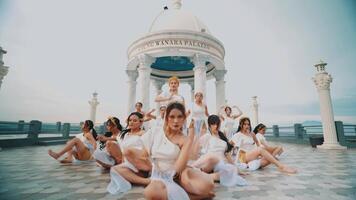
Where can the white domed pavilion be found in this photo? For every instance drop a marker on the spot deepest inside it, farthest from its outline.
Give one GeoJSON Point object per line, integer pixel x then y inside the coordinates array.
{"type": "Point", "coordinates": [177, 44]}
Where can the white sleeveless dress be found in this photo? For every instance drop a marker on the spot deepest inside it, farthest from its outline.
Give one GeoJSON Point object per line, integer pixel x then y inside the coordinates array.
{"type": "Point", "coordinates": [229, 127]}
{"type": "Point", "coordinates": [164, 154]}
{"type": "Point", "coordinates": [246, 144]}
{"type": "Point", "coordinates": [228, 172]}
{"type": "Point", "coordinates": [198, 114]}
{"type": "Point", "coordinates": [175, 98]}
{"type": "Point", "coordinates": [119, 184]}
{"type": "Point", "coordinates": [85, 141]}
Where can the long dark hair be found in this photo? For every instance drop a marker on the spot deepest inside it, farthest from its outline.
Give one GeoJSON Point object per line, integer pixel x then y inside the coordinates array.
{"type": "Point", "coordinates": [90, 125]}
{"type": "Point", "coordinates": [214, 119]}
{"type": "Point", "coordinates": [124, 132]}
{"type": "Point", "coordinates": [258, 128]}
{"type": "Point", "coordinates": [242, 121]}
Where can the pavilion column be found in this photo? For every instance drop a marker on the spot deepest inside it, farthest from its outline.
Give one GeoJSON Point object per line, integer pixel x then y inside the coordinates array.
{"type": "Point", "coordinates": [93, 104]}
{"type": "Point", "coordinates": [220, 88]}
{"type": "Point", "coordinates": [158, 88]}
{"type": "Point", "coordinates": [132, 74]}
{"type": "Point", "coordinates": [254, 111]}
{"type": "Point", "coordinates": [144, 73]}
{"type": "Point", "coordinates": [3, 69]}
{"type": "Point", "coordinates": [200, 74]}
{"type": "Point", "coordinates": [191, 83]}
{"type": "Point", "coordinates": [322, 82]}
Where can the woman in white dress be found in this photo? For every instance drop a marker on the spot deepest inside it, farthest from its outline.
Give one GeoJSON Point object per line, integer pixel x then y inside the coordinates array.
{"type": "Point", "coordinates": [212, 145]}
{"type": "Point", "coordinates": [229, 119]}
{"type": "Point", "coordinates": [81, 147]}
{"type": "Point", "coordinates": [250, 152]}
{"type": "Point", "coordinates": [109, 153]}
{"type": "Point", "coordinates": [260, 131]}
{"type": "Point", "coordinates": [135, 163]}
{"type": "Point", "coordinates": [158, 120]}
{"type": "Point", "coordinates": [172, 95]}
{"type": "Point", "coordinates": [199, 112]}
{"type": "Point", "coordinates": [169, 151]}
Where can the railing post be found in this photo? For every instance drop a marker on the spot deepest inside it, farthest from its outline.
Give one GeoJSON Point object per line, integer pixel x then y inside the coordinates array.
{"type": "Point", "coordinates": [21, 125]}
{"type": "Point", "coordinates": [298, 131]}
{"type": "Point", "coordinates": [35, 129]}
{"type": "Point", "coordinates": [104, 128]}
{"type": "Point", "coordinates": [275, 130]}
{"type": "Point", "coordinates": [58, 126]}
{"type": "Point", "coordinates": [340, 133]}
{"type": "Point", "coordinates": [66, 130]}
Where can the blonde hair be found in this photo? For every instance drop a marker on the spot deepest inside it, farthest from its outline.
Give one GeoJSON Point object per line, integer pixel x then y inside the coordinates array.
{"type": "Point", "coordinates": [197, 93]}
{"type": "Point", "coordinates": [173, 78]}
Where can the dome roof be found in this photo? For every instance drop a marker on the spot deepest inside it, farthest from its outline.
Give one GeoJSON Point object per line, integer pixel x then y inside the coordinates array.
{"type": "Point", "coordinates": [177, 19]}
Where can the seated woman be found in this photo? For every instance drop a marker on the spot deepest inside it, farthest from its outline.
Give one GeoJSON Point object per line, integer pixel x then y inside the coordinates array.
{"type": "Point", "coordinates": [214, 145]}
{"type": "Point", "coordinates": [260, 131]}
{"type": "Point", "coordinates": [169, 151]}
{"type": "Point", "coordinates": [109, 153]}
{"type": "Point", "coordinates": [251, 153]}
{"type": "Point", "coordinates": [135, 164]}
{"type": "Point", "coordinates": [81, 147]}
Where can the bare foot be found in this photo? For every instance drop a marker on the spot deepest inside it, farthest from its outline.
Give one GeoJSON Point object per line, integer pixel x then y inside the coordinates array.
{"type": "Point", "coordinates": [53, 154]}
{"type": "Point", "coordinates": [288, 170]}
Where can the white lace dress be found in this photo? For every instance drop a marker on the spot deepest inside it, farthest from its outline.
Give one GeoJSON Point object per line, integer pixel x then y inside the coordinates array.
{"type": "Point", "coordinates": [228, 172]}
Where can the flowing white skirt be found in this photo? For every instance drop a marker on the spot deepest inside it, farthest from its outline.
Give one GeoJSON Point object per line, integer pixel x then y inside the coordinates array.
{"type": "Point", "coordinates": [174, 191]}
{"type": "Point", "coordinates": [104, 157]}
{"type": "Point", "coordinates": [119, 184]}
{"type": "Point", "coordinates": [229, 175]}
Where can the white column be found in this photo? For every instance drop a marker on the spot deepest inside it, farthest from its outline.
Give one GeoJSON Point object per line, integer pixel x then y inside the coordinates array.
{"type": "Point", "coordinates": [132, 74]}
{"type": "Point", "coordinates": [322, 82]}
{"type": "Point", "coordinates": [93, 104]}
{"type": "Point", "coordinates": [254, 111]}
{"type": "Point", "coordinates": [158, 87]}
{"type": "Point", "coordinates": [220, 88]}
{"type": "Point", "coordinates": [200, 73]}
{"type": "Point", "coordinates": [192, 93]}
{"type": "Point", "coordinates": [144, 73]}
{"type": "Point", "coordinates": [3, 69]}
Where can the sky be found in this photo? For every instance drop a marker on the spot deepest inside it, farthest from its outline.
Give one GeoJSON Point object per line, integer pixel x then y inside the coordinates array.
{"type": "Point", "coordinates": [61, 51]}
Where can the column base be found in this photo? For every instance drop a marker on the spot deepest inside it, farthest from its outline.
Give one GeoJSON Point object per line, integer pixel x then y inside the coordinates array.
{"type": "Point", "coordinates": [331, 146]}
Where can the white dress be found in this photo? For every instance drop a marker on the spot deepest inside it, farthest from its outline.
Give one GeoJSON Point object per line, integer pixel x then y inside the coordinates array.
{"type": "Point", "coordinates": [164, 154]}
{"type": "Point", "coordinates": [175, 98]}
{"type": "Point", "coordinates": [228, 172]}
{"type": "Point", "coordinates": [198, 114]}
{"type": "Point", "coordinates": [261, 138]}
{"type": "Point", "coordinates": [229, 127]}
{"type": "Point", "coordinates": [246, 144]}
{"type": "Point", "coordinates": [85, 141]}
{"type": "Point", "coordinates": [119, 184]}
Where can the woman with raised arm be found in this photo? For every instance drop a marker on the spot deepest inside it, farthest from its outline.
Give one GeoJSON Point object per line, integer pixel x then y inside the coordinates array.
{"type": "Point", "coordinates": [260, 131]}
{"type": "Point", "coordinates": [109, 153]}
{"type": "Point", "coordinates": [199, 112]}
{"type": "Point", "coordinates": [172, 95]}
{"type": "Point", "coordinates": [169, 151]}
{"type": "Point", "coordinates": [81, 147]}
{"type": "Point", "coordinates": [229, 119]}
{"type": "Point", "coordinates": [135, 165]}
{"type": "Point", "coordinates": [215, 146]}
{"type": "Point", "coordinates": [251, 152]}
